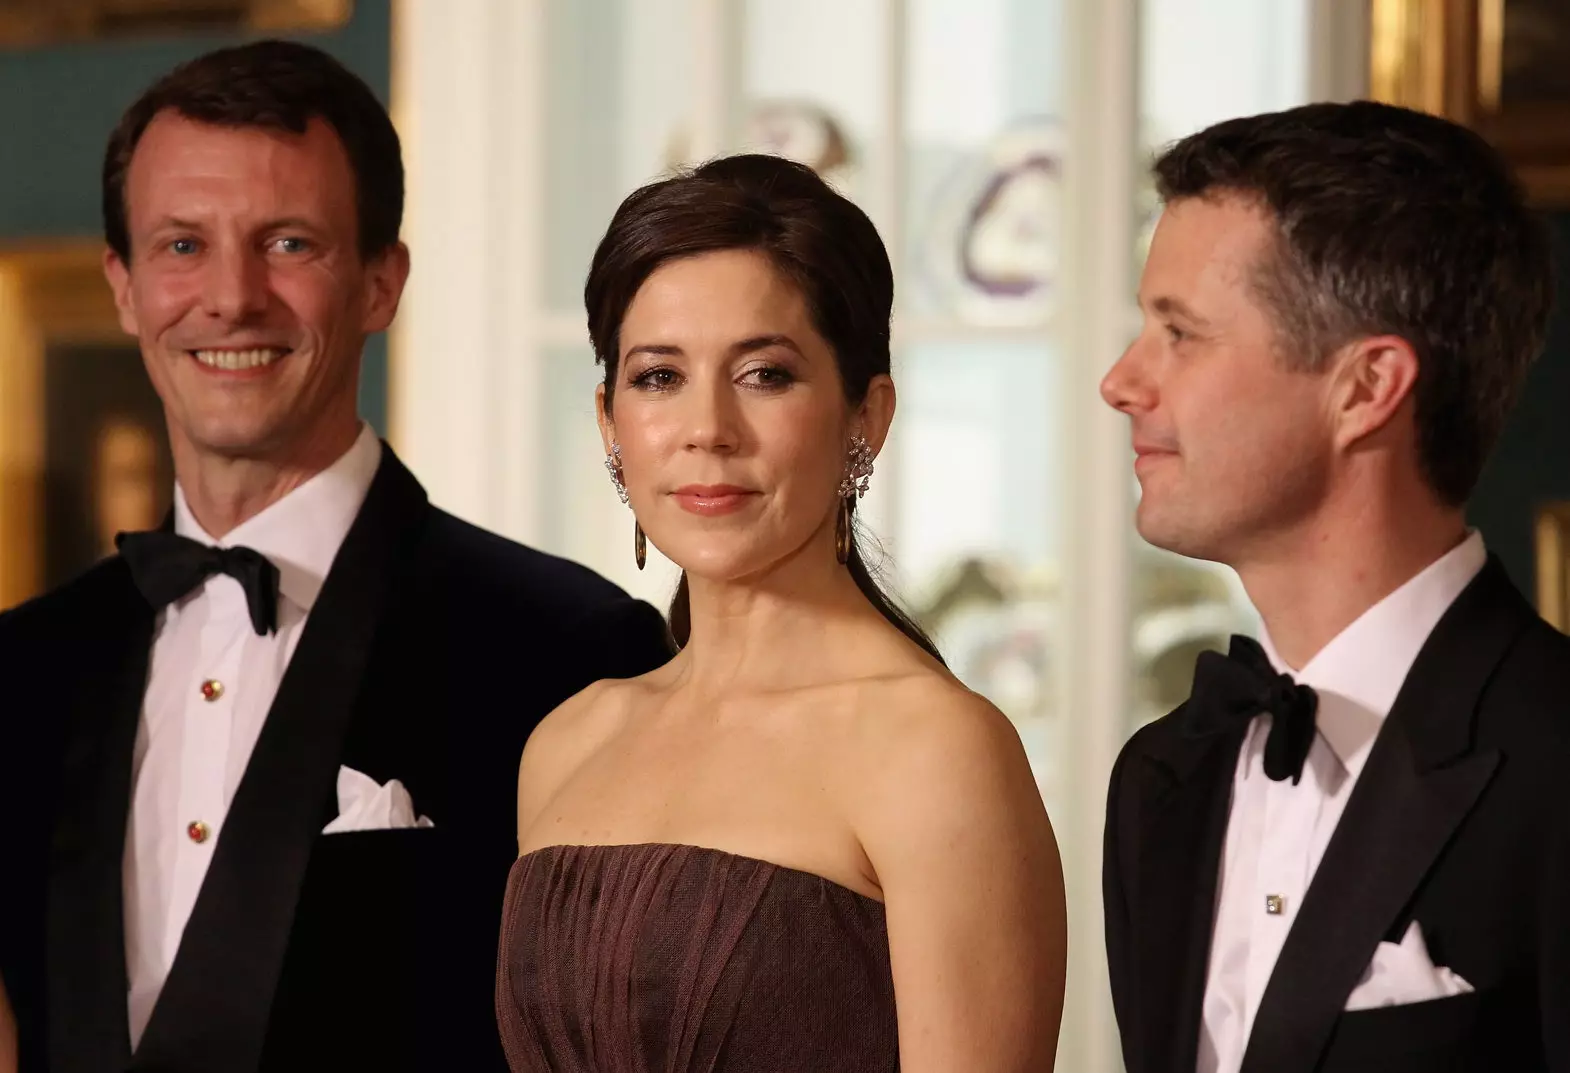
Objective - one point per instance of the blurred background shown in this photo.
(1001, 147)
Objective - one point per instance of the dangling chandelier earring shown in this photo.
(613, 467)
(858, 472)
(640, 543)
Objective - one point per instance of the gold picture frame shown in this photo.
(1475, 61)
(54, 304)
(1553, 564)
(33, 23)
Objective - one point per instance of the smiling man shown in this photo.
(273, 744)
(237, 261)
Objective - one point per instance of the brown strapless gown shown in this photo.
(674, 959)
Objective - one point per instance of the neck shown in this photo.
(224, 491)
(1310, 584)
(800, 623)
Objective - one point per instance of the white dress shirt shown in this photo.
(210, 685)
(1277, 832)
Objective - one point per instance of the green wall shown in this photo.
(1532, 462)
(58, 105)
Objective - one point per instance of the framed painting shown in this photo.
(1553, 564)
(83, 449)
(31, 23)
(1501, 67)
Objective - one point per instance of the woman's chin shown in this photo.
(724, 564)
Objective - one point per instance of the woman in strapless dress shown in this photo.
(801, 846)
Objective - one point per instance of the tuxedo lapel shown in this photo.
(1183, 825)
(1421, 779)
(214, 1008)
(88, 1023)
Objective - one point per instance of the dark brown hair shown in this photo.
(816, 238)
(281, 85)
(1390, 221)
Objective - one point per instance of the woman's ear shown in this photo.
(877, 411)
(607, 429)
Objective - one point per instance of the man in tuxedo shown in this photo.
(273, 800)
(1350, 849)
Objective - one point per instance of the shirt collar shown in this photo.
(1360, 672)
(301, 533)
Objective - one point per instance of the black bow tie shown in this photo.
(166, 566)
(1230, 690)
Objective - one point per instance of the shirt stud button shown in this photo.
(212, 689)
(197, 832)
(1275, 904)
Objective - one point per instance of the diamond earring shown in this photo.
(613, 467)
(858, 469)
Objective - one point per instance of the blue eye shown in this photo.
(292, 244)
(183, 246)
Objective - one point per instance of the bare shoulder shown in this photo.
(568, 736)
(937, 764)
(579, 720)
(952, 823)
(929, 720)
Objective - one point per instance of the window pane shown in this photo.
(815, 83)
(983, 160)
(1202, 63)
(616, 97)
(977, 488)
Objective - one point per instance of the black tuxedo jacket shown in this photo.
(430, 654)
(1459, 820)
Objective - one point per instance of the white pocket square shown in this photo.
(367, 805)
(1404, 974)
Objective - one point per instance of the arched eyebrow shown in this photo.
(741, 346)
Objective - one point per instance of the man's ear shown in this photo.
(385, 275)
(1374, 378)
(118, 273)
